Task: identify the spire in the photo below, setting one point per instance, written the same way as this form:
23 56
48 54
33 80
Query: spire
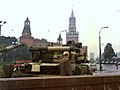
59 39
26 29
72 14
27 19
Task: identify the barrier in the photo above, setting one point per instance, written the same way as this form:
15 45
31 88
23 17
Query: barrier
89 82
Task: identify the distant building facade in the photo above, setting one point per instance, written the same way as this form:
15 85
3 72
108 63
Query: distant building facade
72 35
91 56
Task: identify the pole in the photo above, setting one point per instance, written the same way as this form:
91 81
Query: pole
1 23
100 48
0 30
49 36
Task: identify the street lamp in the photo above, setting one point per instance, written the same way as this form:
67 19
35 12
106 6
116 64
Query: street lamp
49 35
1 23
100 47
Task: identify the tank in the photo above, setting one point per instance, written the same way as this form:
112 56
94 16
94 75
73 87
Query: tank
8 68
48 58
45 60
11 47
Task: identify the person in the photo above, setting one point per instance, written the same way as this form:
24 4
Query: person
65 65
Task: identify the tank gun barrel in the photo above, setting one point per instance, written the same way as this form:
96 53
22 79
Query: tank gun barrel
55 48
11 47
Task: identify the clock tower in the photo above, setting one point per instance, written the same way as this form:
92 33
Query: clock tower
72 35
26 30
26 37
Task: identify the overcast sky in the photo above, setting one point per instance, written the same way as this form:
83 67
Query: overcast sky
53 16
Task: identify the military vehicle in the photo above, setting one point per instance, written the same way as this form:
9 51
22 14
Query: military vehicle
45 60
7 68
11 47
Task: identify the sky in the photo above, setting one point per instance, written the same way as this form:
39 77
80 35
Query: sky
49 17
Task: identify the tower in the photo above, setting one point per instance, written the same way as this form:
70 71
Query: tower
72 35
59 39
26 37
26 30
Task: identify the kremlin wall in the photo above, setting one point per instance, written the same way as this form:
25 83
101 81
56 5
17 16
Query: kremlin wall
71 35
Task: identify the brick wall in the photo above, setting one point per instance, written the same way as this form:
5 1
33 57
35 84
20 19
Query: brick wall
61 83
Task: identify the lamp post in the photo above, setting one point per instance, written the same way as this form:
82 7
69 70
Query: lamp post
1 23
100 47
49 37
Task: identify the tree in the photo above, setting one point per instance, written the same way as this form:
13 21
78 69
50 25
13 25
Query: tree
7 40
108 51
20 53
23 53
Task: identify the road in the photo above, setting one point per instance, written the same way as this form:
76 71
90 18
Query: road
108 69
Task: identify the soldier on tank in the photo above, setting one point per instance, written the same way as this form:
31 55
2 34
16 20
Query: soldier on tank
65 65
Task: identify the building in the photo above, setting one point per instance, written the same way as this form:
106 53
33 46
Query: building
27 38
91 56
72 35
